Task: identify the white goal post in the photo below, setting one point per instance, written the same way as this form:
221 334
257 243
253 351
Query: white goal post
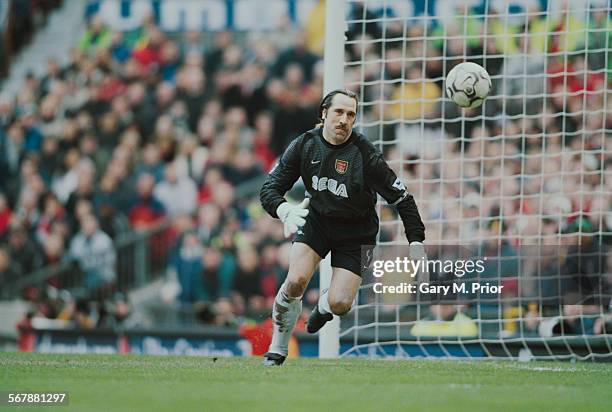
333 66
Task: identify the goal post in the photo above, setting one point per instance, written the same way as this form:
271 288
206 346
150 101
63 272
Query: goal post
525 180
333 67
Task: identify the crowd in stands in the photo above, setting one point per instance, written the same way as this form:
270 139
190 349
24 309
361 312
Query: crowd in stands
530 167
143 129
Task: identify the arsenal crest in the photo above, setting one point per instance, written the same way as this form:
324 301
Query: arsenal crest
341 166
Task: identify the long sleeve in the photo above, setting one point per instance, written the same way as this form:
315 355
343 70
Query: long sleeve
281 178
385 182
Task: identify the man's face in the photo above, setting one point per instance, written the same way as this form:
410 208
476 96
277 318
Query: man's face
89 225
170 174
339 118
17 238
145 185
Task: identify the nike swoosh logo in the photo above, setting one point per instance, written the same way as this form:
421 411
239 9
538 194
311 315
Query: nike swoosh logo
312 162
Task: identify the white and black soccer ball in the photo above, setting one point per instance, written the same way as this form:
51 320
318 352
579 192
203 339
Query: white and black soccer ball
468 84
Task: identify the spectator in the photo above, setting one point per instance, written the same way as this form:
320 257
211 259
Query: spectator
272 272
5 215
84 191
191 160
148 52
118 313
209 222
151 162
53 211
191 42
53 250
6 111
191 86
247 281
567 31
503 32
118 48
8 270
445 320
13 149
315 29
243 168
23 250
219 270
523 74
261 141
146 211
212 179
298 54
223 195
599 31
109 192
74 166
112 221
416 98
79 312
97 37
291 114
186 265
178 194
585 266
603 325
94 251
459 22
224 313
50 160
214 58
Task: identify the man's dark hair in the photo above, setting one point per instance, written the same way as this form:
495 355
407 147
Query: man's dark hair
327 100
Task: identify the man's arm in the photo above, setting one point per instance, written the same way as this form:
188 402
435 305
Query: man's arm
385 182
281 178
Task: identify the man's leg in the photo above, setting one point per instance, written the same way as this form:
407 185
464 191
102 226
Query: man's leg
288 303
342 291
337 300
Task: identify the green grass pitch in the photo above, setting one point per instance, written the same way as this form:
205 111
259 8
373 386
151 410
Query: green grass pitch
168 383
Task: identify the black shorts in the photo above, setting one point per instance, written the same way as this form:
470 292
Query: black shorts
346 239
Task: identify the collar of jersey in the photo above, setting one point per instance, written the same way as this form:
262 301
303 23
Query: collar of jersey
334 146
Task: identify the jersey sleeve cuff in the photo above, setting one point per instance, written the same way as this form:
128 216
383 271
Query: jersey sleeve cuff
275 206
414 237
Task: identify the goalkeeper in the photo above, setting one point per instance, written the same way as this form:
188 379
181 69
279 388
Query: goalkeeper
342 172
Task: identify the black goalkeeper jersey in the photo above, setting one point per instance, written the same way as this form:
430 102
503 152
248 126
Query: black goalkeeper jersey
342 180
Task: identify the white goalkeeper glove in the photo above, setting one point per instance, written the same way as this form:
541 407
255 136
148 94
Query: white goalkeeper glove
293 216
417 253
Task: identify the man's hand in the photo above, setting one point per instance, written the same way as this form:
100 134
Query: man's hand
417 252
293 215
600 324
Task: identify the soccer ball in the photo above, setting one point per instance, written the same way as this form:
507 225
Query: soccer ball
468 84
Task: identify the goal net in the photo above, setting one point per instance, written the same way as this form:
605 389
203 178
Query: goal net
522 182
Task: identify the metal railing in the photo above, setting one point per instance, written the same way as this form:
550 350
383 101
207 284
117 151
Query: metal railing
5 7
5 52
142 256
